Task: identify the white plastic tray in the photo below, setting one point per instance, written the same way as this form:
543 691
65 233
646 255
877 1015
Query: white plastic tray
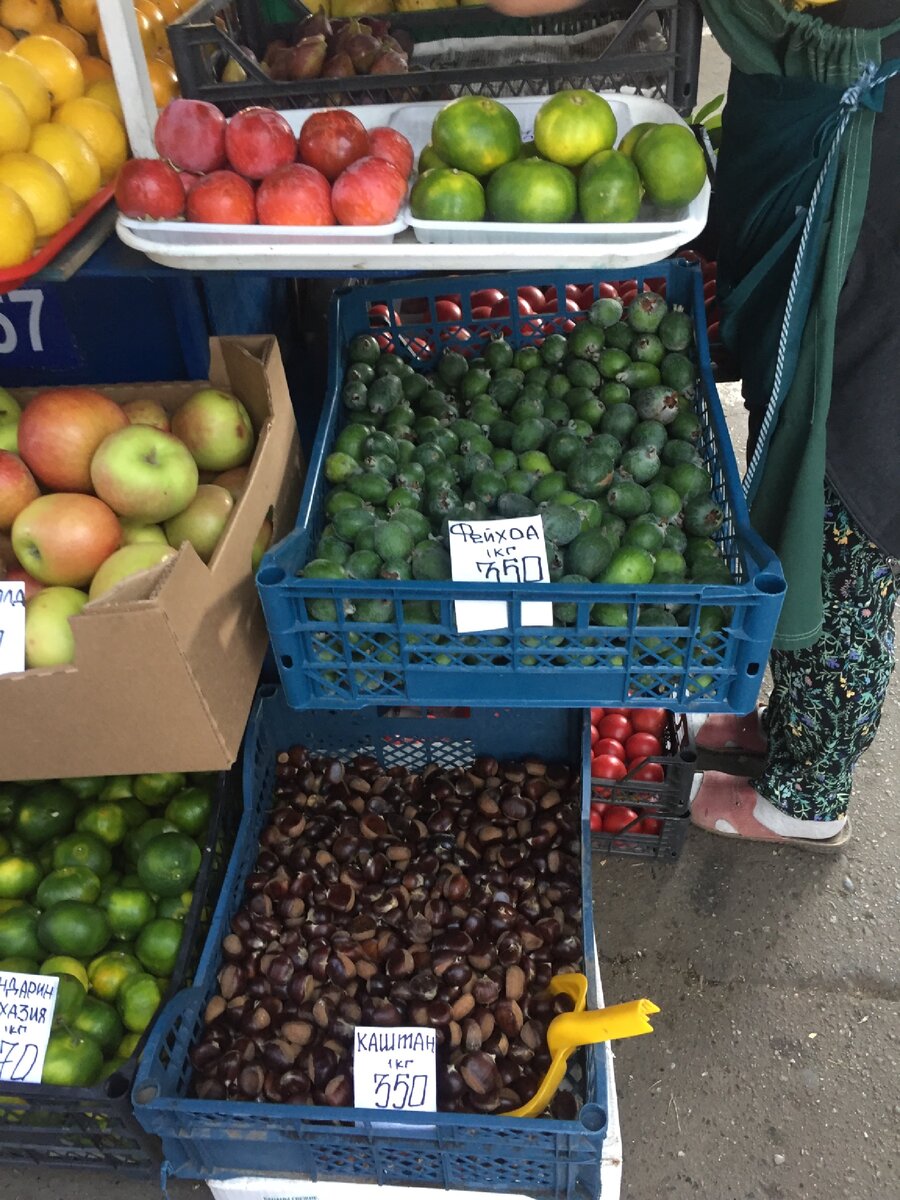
683 224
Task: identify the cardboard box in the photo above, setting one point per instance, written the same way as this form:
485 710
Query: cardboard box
167 663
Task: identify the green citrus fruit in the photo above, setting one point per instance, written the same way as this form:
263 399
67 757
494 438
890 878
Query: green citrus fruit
445 194
476 134
429 159
46 812
128 910
69 999
176 907
168 864
533 191
156 790
137 1001
127 1046
101 1022
134 812
609 188
671 164
85 787
18 962
138 838
72 927
634 135
157 945
108 972
19 877
83 850
18 933
572 126
72 1060
106 821
64 964
68 883
190 810
10 798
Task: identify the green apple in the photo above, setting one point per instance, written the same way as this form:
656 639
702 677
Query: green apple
147 412
49 641
128 561
216 428
138 533
203 521
9 422
144 474
261 545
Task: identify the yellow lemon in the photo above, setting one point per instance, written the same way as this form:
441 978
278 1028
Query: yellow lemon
7 39
81 15
15 128
28 86
68 153
56 64
26 14
145 29
105 91
17 232
71 38
163 80
100 128
42 189
94 69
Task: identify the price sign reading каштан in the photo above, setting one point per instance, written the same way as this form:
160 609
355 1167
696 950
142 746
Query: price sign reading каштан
27 1004
394 1069
505 552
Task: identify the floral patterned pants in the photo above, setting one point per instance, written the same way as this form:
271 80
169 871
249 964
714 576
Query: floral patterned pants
826 701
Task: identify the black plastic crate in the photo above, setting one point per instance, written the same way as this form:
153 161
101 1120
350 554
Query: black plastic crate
668 802
213 31
94 1128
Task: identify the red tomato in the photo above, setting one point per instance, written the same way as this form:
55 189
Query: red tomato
532 296
595 736
709 289
627 298
625 712
599 807
481 313
609 746
713 332
708 270
649 825
501 308
586 299
486 298
648 720
628 285
596 820
607 291
642 745
608 766
597 714
646 773
447 310
616 818
615 726
690 255
654 285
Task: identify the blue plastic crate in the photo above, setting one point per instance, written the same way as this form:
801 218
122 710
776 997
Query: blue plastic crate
546 1159
348 664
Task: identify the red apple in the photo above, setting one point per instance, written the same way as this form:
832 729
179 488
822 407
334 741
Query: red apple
146 412
295 195
144 474
148 188
258 141
59 432
330 141
216 429
191 135
20 575
63 539
203 521
17 488
369 192
393 147
222 198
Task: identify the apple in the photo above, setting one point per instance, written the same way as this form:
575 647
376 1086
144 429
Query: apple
261 545
9 438
148 188
295 195
17 488
10 414
146 412
222 198
63 538
144 473
20 575
258 141
59 432
190 134
49 641
203 521
216 428
393 147
369 192
128 561
233 481
139 533
331 140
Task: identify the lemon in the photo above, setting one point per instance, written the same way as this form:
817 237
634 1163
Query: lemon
72 157
17 230
15 128
100 128
57 65
105 91
81 15
27 85
42 189
26 14
94 69
163 80
71 38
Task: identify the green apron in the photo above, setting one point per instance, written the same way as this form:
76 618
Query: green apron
798 123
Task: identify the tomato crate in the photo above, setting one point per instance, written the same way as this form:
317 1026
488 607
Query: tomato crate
650 47
547 1159
341 662
666 802
94 1128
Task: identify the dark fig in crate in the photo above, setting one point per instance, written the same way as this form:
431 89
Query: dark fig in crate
362 50
338 66
389 62
316 23
307 58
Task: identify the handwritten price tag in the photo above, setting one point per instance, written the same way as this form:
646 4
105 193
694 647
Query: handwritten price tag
506 552
12 627
394 1069
27 1003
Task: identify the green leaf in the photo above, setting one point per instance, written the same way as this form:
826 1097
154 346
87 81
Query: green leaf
707 110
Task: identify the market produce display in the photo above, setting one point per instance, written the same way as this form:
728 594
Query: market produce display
95 883
477 165
622 742
446 898
338 49
92 492
252 169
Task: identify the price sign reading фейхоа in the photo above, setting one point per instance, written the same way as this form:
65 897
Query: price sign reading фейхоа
27 1004
12 629
394 1069
505 552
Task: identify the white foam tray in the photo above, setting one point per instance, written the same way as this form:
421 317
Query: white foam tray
682 224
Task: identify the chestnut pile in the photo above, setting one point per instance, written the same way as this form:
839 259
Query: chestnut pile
446 899
340 49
